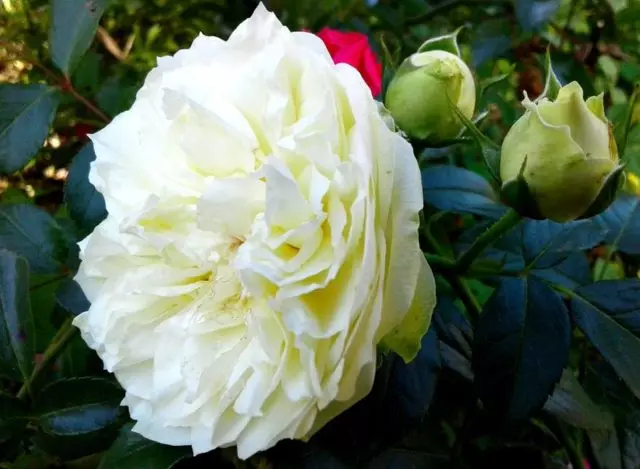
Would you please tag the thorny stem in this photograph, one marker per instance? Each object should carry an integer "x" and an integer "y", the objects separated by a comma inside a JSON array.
[
  {"x": 57, "y": 345},
  {"x": 471, "y": 303},
  {"x": 44, "y": 283},
  {"x": 68, "y": 87},
  {"x": 459, "y": 284},
  {"x": 495, "y": 231},
  {"x": 64, "y": 83},
  {"x": 447, "y": 264},
  {"x": 569, "y": 446}
]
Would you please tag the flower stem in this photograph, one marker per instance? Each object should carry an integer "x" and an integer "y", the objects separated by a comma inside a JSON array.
[
  {"x": 449, "y": 265},
  {"x": 66, "y": 332},
  {"x": 435, "y": 260},
  {"x": 68, "y": 87},
  {"x": 565, "y": 439},
  {"x": 49, "y": 281},
  {"x": 450, "y": 269},
  {"x": 471, "y": 303},
  {"x": 495, "y": 231}
]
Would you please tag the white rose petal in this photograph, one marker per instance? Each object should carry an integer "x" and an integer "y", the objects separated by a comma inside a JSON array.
[{"x": 261, "y": 241}]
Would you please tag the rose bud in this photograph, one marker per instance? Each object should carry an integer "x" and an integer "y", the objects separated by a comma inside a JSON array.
[
  {"x": 560, "y": 160},
  {"x": 426, "y": 86}
]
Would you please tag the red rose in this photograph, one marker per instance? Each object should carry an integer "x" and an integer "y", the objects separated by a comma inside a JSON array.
[
  {"x": 81, "y": 130},
  {"x": 353, "y": 48}
]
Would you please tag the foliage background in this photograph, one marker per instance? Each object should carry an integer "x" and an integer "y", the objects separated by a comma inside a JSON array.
[{"x": 472, "y": 398}]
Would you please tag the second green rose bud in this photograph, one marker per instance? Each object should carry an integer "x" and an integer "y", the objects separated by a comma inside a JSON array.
[
  {"x": 424, "y": 89},
  {"x": 564, "y": 153}
]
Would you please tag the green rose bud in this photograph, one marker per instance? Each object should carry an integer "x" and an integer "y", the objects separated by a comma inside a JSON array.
[
  {"x": 423, "y": 90},
  {"x": 564, "y": 153}
]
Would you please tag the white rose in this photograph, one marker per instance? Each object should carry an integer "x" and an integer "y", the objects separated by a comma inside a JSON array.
[{"x": 261, "y": 241}]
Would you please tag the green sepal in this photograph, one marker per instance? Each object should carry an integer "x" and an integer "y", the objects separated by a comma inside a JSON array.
[
  {"x": 623, "y": 128},
  {"x": 406, "y": 338},
  {"x": 390, "y": 63},
  {"x": 608, "y": 192},
  {"x": 488, "y": 83},
  {"x": 448, "y": 43},
  {"x": 516, "y": 194},
  {"x": 489, "y": 149},
  {"x": 552, "y": 83}
]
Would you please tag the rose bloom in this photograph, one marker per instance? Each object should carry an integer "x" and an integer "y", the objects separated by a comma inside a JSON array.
[
  {"x": 261, "y": 242},
  {"x": 353, "y": 48}
]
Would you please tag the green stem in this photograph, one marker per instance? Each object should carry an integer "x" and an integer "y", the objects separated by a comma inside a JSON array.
[
  {"x": 450, "y": 265},
  {"x": 471, "y": 303},
  {"x": 57, "y": 345},
  {"x": 628, "y": 123},
  {"x": 561, "y": 289},
  {"x": 435, "y": 260},
  {"x": 459, "y": 284},
  {"x": 495, "y": 231},
  {"x": 570, "y": 447},
  {"x": 462, "y": 436},
  {"x": 88, "y": 104},
  {"x": 49, "y": 281}
]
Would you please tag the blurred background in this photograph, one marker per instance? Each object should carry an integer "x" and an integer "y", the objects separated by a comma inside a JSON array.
[{"x": 596, "y": 42}]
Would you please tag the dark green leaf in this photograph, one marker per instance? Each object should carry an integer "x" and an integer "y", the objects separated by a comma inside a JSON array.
[
  {"x": 133, "y": 451},
  {"x": 455, "y": 337},
  {"x": 33, "y": 234},
  {"x": 13, "y": 417},
  {"x": 571, "y": 403},
  {"x": 78, "y": 416},
  {"x": 618, "y": 447},
  {"x": 115, "y": 96},
  {"x": 78, "y": 360},
  {"x": 608, "y": 312},
  {"x": 622, "y": 220},
  {"x": 603, "y": 384},
  {"x": 521, "y": 347},
  {"x": 572, "y": 272},
  {"x": 412, "y": 384},
  {"x": 26, "y": 113},
  {"x": 73, "y": 27},
  {"x": 71, "y": 297},
  {"x": 458, "y": 190},
  {"x": 85, "y": 203},
  {"x": 42, "y": 291},
  {"x": 630, "y": 441},
  {"x": 533, "y": 14},
  {"x": 17, "y": 331},
  {"x": 87, "y": 74},
  {"x": 606, "y": 448},
  {"x": 491, "y": 41},
  {"x": 544, "y": 241}
]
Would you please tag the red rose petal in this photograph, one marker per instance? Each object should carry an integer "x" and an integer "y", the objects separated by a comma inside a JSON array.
[{"x": 353, "y": 48}]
